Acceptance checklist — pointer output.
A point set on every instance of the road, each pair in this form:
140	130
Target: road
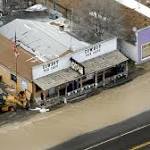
132	134
131	140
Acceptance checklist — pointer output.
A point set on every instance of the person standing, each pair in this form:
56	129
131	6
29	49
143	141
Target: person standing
42	96
42	99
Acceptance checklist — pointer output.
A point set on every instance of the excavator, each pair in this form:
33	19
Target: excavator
13	102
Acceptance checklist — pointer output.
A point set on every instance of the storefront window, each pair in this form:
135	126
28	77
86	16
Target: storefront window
145	50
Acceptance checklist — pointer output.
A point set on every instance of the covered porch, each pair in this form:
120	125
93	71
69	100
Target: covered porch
68	84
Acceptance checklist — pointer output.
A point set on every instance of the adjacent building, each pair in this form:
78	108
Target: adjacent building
136	46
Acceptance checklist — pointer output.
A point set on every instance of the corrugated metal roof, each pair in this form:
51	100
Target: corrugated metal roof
103	62
41	38
56	79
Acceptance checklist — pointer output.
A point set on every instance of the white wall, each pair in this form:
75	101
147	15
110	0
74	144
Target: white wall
96	50
51	67
129	50
81	55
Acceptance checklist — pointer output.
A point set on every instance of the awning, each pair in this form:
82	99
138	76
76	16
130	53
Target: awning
66	75
104	62
56	79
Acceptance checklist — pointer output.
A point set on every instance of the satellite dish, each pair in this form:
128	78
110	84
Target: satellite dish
148	1
134	29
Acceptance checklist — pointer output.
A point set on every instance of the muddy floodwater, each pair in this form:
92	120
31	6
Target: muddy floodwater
42	131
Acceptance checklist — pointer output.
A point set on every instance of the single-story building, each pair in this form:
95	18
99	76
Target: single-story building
53	62
83	77
140	50
8	67
137	25
81	71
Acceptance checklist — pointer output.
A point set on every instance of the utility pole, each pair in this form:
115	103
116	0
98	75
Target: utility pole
16	63
16	75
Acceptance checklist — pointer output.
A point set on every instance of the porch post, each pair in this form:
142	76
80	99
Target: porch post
72	85
114	77
96	82
66	89
58	94
65	98
77	83
81	85
104	83
127	69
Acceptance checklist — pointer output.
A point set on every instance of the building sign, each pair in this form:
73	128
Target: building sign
50	66
77	66
76	59
93	50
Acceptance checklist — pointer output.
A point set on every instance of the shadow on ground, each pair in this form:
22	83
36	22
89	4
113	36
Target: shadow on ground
19	116
91	138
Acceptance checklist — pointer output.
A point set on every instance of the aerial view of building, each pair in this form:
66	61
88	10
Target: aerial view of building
74	75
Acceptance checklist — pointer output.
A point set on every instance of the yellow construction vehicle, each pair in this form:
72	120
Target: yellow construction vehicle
12	103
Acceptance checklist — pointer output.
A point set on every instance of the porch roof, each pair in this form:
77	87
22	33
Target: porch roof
56	79
104	62
66	75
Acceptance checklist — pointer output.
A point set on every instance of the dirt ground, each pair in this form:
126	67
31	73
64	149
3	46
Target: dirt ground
42	131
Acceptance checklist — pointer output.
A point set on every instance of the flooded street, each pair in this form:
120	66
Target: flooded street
45	130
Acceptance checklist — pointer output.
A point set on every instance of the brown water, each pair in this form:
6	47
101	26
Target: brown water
49	129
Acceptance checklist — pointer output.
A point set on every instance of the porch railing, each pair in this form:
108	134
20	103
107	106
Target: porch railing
82	91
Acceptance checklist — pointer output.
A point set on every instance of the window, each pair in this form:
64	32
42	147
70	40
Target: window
37	88
13	77
146	50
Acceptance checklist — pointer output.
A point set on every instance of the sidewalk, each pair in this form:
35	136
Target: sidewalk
108	107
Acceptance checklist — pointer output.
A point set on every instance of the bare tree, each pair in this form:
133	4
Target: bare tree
93	19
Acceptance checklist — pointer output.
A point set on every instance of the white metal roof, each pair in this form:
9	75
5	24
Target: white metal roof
42	39
104	61
135	5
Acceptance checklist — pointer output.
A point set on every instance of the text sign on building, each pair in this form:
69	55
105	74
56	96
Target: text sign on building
77	66
50	66
93	50
96	50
